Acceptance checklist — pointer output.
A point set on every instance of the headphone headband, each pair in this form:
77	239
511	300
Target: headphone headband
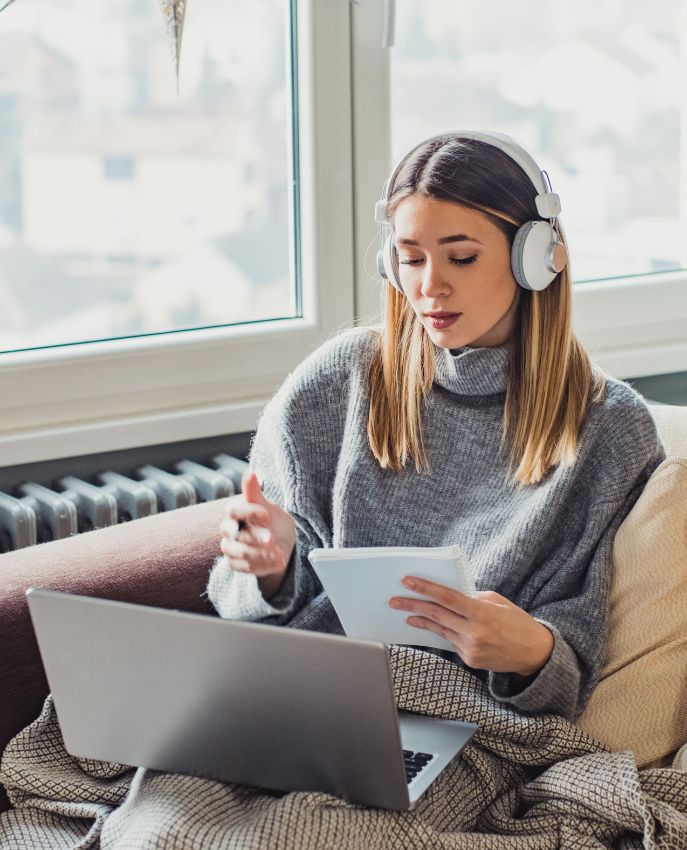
548	203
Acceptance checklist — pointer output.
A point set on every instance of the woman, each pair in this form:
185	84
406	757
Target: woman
490	428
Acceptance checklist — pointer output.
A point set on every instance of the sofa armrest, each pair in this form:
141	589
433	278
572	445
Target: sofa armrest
162	560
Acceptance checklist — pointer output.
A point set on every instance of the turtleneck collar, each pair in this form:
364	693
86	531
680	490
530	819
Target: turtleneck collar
473	371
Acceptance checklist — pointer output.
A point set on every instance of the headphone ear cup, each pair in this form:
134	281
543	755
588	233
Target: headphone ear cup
516	256
529	255
387	262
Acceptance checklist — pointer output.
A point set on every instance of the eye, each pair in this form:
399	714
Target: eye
456	261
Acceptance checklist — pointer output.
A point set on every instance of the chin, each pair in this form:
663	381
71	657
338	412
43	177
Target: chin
445	339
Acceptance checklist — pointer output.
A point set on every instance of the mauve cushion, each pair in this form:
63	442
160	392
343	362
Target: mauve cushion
163	560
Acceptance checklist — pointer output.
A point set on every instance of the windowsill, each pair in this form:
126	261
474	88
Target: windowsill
130	432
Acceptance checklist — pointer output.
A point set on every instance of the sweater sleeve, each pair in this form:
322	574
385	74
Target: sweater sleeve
287	481
576	610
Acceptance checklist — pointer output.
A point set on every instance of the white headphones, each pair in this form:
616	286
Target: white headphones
537	255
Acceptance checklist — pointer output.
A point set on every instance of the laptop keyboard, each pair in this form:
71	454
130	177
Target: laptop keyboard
414	763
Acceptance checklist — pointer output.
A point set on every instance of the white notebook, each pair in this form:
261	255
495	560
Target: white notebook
360	582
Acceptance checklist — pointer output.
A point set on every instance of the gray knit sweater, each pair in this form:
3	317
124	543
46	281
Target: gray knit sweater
547	548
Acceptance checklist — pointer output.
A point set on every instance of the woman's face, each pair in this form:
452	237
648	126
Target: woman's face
455	260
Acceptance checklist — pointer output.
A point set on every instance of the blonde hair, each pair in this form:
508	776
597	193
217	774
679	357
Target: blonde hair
551	380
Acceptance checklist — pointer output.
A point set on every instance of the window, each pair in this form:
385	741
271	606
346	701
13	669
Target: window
162	263
107	160
291	214
594	91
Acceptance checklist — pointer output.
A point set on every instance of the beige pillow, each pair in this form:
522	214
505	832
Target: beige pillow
640	704
671	421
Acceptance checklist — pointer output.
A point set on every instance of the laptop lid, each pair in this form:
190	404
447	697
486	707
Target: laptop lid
240	702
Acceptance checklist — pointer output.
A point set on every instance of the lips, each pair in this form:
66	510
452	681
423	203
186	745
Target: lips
443	321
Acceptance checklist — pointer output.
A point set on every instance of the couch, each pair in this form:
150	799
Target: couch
164	561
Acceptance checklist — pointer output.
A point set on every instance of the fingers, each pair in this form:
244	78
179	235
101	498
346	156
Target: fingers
430	612
244	511
250	534
253	551
456	601
247	540
447	616
439	624
438	629
251	488
243	516
244	558
232	528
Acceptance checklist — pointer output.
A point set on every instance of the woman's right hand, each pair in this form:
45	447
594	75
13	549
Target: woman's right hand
267	539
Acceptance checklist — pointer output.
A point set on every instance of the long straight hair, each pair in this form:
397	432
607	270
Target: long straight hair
551	380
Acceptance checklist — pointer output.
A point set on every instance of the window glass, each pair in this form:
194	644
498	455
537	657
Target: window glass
127	208
594	90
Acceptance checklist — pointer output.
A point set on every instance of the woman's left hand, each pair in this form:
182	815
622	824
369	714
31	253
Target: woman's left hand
488	631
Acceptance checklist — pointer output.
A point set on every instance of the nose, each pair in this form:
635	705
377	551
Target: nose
433	282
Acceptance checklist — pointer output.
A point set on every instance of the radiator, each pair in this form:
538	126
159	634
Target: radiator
34	513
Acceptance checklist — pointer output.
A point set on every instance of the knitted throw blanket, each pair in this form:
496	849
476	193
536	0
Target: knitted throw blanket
523	782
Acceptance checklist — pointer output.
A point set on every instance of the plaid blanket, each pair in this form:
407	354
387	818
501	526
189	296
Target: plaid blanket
523	782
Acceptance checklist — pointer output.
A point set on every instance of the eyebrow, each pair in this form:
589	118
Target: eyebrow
459	237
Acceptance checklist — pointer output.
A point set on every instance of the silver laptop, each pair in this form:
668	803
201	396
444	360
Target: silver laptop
266	706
